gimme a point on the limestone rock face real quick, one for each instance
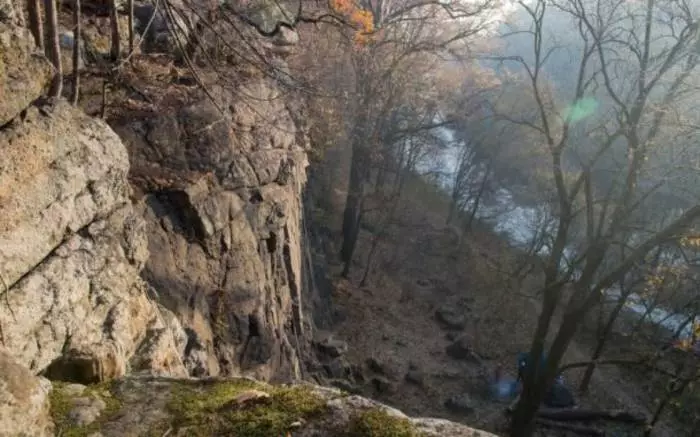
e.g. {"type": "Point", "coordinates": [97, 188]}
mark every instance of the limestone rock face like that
{"type": "Point", "coordinates": [23, 72]}
{"type": "Point", "coordinates": [72, 250]}
{"type": "Point", "coordinates": [201, 275]}
{"type": "Point", "coordinates": [24, 401]}
{"type": "Point", "coordinates": [223, 216]}
{"type": "Point", "coordinates": [60, 171]}
{"type": "Point", "coordinates": [221, 187]}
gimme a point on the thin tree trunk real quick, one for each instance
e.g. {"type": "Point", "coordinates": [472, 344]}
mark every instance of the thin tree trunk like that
{"type": "Point", "coordinates": [523, 421]}
{"type": "Point", "coordinates": [351, 214]}
{"type": "Point", "coordinates": [130, 5]}
{"type": "Point", "coordinates": [35, 23]}
{"type": "Point", "coordinates": [602, 340]}
{"type": "Point", "coordinates": [76, 53]}
{"type": "Point", "coordinates": [477, 201]}
{"type": "Point", "coordinates": [115, 48]}
{"type": "Point", "coordinates": [53, 47]}
{"type": "Point", "coordinates": [376, 239]}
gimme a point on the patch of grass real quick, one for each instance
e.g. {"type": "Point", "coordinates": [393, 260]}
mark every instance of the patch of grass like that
{"type": "Point", "coordinates": [62, 404]}
{"type": "Point", "coordinates": [209, 410]}
{"type": "Point", "coordinates": [378, 423]}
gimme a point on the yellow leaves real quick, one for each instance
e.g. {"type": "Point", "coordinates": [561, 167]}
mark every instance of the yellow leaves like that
{"type": "Point", "coordinates": [690, 241]}
{"type": "Point", "coordinates": [685, 345]}
{"type": "Point", "coordinates": [361, 19]}
{"type": "Point", "coordinates": [662, 277]}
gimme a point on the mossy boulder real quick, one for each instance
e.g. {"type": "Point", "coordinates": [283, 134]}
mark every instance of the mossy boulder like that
{"type": "Point", "coordinates": [376, 422]}
{"type": "Point", "coordinates": [156, 406]}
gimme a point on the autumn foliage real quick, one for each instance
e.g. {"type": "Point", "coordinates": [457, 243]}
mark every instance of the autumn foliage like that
{"type": "Point", "coordinates": [361, 19]}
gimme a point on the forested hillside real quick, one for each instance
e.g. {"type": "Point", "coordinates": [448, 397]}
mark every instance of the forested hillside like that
{"type": "Point", "coordinates": [485, 211]}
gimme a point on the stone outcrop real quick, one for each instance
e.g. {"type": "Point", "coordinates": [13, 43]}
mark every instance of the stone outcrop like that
{"type": "Point", "coordinates": [150, 406]}
{"type": "Point", "coordinates": [71, 246]}
{"type": "Point", "coordinates": [72, 250]}
{"type": "Point", "coordinates": [23, 73]}
{"type": "Point", "coordinates": [220, 185]}
{"type": "Point", "coordinates": [223, 212]}
{"type": "Point", "coordinates": [201, 275]}
{"type": "Point", "coordinates": [24, 401]}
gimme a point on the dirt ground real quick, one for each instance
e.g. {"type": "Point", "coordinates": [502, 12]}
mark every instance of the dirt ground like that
{"type": "Point", "coordinates": [391, 320]}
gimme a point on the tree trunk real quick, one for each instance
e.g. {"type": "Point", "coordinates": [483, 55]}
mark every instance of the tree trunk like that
{"type": "Point", "coordinates": [602, 340]}
{"type": "Point", "coordinates": [35, 23]}
{"type": "Point", "coordinates": [477, 200]}
{"type": "Point", "coordinates": [53, 47]}
{"type": "Point", "coordinates": [76, 53]}
{"type": "Point", "coordinates": [523, 421]}
{"type": "Point", "coordinates": [352, 212]}
{"type": "Point", "coordinates": [130, 5]}
{"type": "Point", "coordinates": [377, 237]}
{"type": "Point", "coordinates": [115, 48]}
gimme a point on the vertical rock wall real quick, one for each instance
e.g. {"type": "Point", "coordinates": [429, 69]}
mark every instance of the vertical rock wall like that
{"type": "Point", "coordinates": [198, 271]}
{"type": "Point", "coordinates": [71, 246]}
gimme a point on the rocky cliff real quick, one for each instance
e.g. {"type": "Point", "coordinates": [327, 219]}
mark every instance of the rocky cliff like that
{"type": "Point", "coordinates": [219, 185]}
{"type": "Point", "coordinates": [71, 243]}
{"type": "Point", "coordinates": [179, 253]}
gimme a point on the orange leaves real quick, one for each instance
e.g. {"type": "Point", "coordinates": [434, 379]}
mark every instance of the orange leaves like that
{"type": "Point", "coordinates": [361, 19]}
{"type": "Point", "coordinates": [343, 6]}
{"type": "Point", "coordinates": [688, 343]}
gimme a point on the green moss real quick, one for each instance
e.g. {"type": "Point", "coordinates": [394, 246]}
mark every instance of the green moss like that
{"type": "Point", "coordinates": [209, 411]}
{"type": "Point", "coordinates": [62, 404]}
{"type": "Point", "coordinates": [378, 423]}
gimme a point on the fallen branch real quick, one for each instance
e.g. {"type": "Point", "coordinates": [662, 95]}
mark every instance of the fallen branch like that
{"type": "Point", "coordinates": [579, 414]}
{"type": "Point", "coordinates": [571, 414]}
{"type": "Point", "coordinates": [620, 362]}
{"type": "Point", "coordinates": [578, 429]}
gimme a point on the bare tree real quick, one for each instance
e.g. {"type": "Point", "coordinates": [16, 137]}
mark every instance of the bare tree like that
{"type": "Point", "coordinates": [35, 22]}
{"type": "Point", "coordinates": [130, 7]}
{"type": "Point", "coordinates": [53, 48]}
{"type": "Point", "coordinates": [633, 121]}
{"type": "Point", "coordinates": [115, 49]}
{"type": "Point", "coordinates": [409, 30]}
{"type": "Point", "coordinates": [77, 35]}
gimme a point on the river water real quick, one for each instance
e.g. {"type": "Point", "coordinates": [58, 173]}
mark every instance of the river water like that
{"type": "Point", "coordinates": [518, 222]}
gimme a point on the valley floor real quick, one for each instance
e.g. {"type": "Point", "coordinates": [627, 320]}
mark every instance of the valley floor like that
{"type": "Point", "coordinates": [411, 361]}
